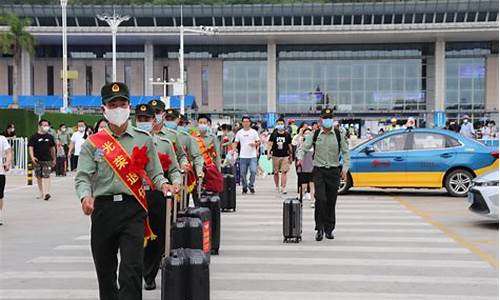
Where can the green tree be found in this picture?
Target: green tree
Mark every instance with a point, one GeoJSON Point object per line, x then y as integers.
{"type": "Point", "coordinates": [13, 42]}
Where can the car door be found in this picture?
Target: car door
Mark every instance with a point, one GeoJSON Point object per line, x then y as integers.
{"type": "Point", "coordinates": [430, 155]}
{"type": "Point", "coordinates": [382, 163]}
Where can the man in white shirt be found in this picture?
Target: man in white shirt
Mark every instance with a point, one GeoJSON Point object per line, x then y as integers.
{"type": "Point", "coordinates": [5, 151]}
{"type": "Point", "coordinates": [467, 129]}
{"type": "Point", "coordinates": [248, 139]}
{"type": "Point", "coordinates": [75, 146]}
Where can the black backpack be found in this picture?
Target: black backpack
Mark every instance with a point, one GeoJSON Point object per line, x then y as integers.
{"type": "Point", "coordinates": [315, 139]}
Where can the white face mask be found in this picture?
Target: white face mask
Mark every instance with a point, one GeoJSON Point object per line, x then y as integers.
{"type": "Point", "coordinates": [81, 129]}
{"type": "Point", "coordinates": [159, 118]}
{"type": "Point", "coordinates": [117, 116]}
{"type": "Point", "coordinates": [45, 129]}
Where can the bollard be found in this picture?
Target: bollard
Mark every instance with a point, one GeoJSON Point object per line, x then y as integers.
{"type": "Point", "coordinates": [29, 174]}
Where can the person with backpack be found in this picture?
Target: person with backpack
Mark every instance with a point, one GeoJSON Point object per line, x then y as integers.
{"type": "Point", "coordinates": [328, 144]}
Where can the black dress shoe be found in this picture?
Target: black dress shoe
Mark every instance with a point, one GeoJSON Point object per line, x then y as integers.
{"type": "Point", "coordinates": [252, 191]}
{"type": "Point", "coordinates": [329, 235]}
{"type": "Point", "coordinates": [150, 286]}
{"type": "Point", "coordinates": [319, 235]}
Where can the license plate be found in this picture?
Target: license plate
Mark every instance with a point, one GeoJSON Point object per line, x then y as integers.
{"type": "Point", "coordinates": [470, 197]}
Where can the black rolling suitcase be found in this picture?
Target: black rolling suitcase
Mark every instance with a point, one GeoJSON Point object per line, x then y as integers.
{"type": "Point", "coordinates": [60, 166]}
{"type": "Point", "coordinates": [292, 219]}
{"type": "Point", "coordinates": [185, 273]}
{"type": "Point", "coordinates": [204, 214]}
{"type": "Point", "coordinates": [228, 195]}
{"type": "Point", "coordinates": [212, 202]}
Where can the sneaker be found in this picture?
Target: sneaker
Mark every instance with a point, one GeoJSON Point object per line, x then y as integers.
{"type": "Point", "coordinates": [283, 191]}
{"type": "Point", "coordinates": [252, 191]}
{"type": "Point", "coordinates": [244, 192]}
{"type": "Point", "coordinates": [307, 196]}
{"type": "Point", "coordinates": [312, 204]}
{"type": "Point", "coordinates": [278, 189]}
{"type": "Point", "coordinates": [47, 197]}
{"type": "Point", "coordinates": [40, 196]}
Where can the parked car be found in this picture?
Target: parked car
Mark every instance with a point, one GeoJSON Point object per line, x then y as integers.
{"type": "Point", "coordinates": [419, 158]}
{"type": "Point", "coordinates": [483, 195]}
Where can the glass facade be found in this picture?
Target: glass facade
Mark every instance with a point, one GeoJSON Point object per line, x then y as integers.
{"type": "Point", "coordinates": [245, 86]}
{"type": "Point", "coordinates": [465, 83]}
{"type": "Point", "coordinates": [358, 85]}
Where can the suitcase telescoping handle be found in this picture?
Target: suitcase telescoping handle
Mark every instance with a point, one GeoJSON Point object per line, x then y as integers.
{"type": "Point", "coordinates": [183, 190]}
{"type": "Point", "coordinates": [170, 200]}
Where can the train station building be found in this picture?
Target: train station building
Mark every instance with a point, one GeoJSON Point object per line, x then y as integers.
{"type": "Point", "coordinates": [366, 60]}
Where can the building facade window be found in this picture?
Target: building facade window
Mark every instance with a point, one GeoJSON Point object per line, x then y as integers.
{"type": "Point", "coordinates": [245, 86]}
{"type": "Point", "coordinates": [351, 85]}
{"type": "Point", "coordinates": [89, 77]}
{"type": "Point", "coordinates": [50, 80]}
{"type": "Point", "coordinates": [204, 85]}
{"type": "Point", "coordinates": [465, 83]}
{"type": "Point", "coordinates": [10, 80]}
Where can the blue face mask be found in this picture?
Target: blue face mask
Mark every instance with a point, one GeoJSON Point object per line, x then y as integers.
{"type": "Point", "coordinates": [171, 124]}
{"type": "Point", "coordinates": [327, 123]}
{"type": "Point", "coordinates": [203, 128]}
{"type": "Point", "coordinates": [280, 126]}
{"type": "Point", "coordinates": [146, 126]}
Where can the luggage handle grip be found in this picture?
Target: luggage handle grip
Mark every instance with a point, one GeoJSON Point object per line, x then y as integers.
{"type": "Point", "coordinates": [169, 202]}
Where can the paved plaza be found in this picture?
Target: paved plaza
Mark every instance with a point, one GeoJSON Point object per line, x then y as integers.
{"type": "Point", "coordinates": [390, 244]}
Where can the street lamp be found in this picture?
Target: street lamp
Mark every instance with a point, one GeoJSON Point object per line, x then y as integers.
{"type": "Point", "coordinates": [64, 3]}
{"type": "Point", "coordinates": [165, 85]}
{"type": "Point", "coordinates": [113, 22]}
{"type": "Point", "coordinates": [202, 30]}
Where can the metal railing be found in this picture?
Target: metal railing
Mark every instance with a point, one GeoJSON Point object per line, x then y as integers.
{"type": "Point", "coordinates": [19, 146]}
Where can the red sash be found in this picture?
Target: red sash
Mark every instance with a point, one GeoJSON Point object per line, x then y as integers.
{"type": "Point", "coordinates": [214, 182]}
{"type": "Point", "coordinates": [130, 169]}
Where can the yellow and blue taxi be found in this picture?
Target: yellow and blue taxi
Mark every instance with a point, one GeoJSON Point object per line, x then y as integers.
{"type": "Point", "coordinates": [419, 158]}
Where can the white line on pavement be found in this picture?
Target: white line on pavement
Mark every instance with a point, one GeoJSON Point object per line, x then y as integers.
{"type": "Point", "coordinates": [306, 261]}
{"type": "Point", "coordinates": [280, 295]}
{"type": "Point", "coordinates": [356, 278]}
{"type": "Point", "coordinates": [336, 248]}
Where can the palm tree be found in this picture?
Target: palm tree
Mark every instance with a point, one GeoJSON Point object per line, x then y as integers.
{"type": "Point", "coordinates": [13, 42]}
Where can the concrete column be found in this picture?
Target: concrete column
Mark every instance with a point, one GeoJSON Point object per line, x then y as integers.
{"type": "Point", "coordinates": [25, 74]}
{"type": "Point", "coordinates": [439, 75]}
{"type": "Point", "coordinates": [148, 68]}
{"type": "Point", "coordinates": [271, 77]}
{"type": "Point", "coordinates": [439, 84]}
{"type": "Point", "coordinates": [492, 83]}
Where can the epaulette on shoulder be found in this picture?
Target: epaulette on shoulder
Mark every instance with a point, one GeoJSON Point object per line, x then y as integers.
{"type": "Point", "coordinates": [141, 131]}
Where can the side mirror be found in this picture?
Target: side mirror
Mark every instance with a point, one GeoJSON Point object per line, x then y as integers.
{"type": "Point", "coordinates": [368, 149]}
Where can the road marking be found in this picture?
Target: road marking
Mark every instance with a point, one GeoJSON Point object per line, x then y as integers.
{"type": "Point", "coordinates": [32, 186]}
{"type": "Point", "coordinates": [49, 294]}
{"type": "Point", "coordinates": [486, 242]}
{"type": "Point", "coordinates": [340, 211]}
{"type": "Point", "coordinates": [61, 260]}
{"type": "Point", "coordinates": [370, 224]}
{"type": "Point", "coordinates": [493, 261]}
{"type": "Point", "coordinates": [477, 281]}
{"type": "Point", "coordinates": [49, 275]}
{"type": "Point", "coordinates": [339, 229]}
{"type": "Point", "coordinates": [437, 240]}
{"type": "Point", "coordinates": [335, 248]}
{"type": "Point", "coordinates": [306, 261]}
{"type": "Point", "coordinates": [292, 295]}
{"type": "Point", "coordinates": [366, 217]}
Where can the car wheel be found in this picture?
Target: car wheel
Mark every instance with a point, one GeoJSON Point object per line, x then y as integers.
{"type": "Point", "coordinates": [458, 182]}
{"type": "Point", "coordinates": [345, 185]}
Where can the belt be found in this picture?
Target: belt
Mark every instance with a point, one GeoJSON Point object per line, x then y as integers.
{"type": "Point", "coordinates": [327, 167]}
{"type": "Point", "coordinates": [116, 197]}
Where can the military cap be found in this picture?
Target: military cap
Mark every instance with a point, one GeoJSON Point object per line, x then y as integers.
{"type": "Point", "coordinates": [144, 110]}
{"type": "Point", "coordinates": [327, 113]}
{"type": "Point", "coordinates": [157, 104]}
{"type": "Point", "coordinates": [114, 90]}
{"type": "Point", "coordinates": [170, 112]}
